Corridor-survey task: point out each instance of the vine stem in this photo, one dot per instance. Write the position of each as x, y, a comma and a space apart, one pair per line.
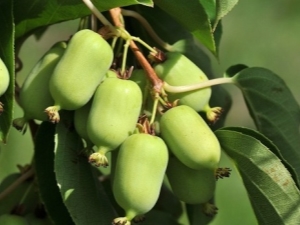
204, 84
154, 109
16, 183
148, 27
155, 81
99, 15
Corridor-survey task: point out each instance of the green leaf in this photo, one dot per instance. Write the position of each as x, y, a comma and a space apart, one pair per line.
44, 167
210, 8
272, 192
217, 9
269, 144
30, 15
193, 17
7, 56
222, 9
80, 188
233, 70
274, 110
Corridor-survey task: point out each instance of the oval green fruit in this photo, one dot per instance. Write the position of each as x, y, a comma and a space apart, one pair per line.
79, 72
139, 77
190, 138
9, 219
34, 94
178, 70
81, 116
4, 77
189, 185
113, 117
139, 173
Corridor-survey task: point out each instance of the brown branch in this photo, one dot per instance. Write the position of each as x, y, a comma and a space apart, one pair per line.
156, 82
16, 183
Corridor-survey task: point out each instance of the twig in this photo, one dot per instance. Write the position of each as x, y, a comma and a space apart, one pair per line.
16, 183
155, 81
191, 87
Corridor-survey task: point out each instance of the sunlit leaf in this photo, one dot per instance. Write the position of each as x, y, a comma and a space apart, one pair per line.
273, 193
274, 110
193, 17
80, 188
30, 15
44, 167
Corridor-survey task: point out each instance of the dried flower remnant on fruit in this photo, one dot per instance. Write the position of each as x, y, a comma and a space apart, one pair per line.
222, 172
98, 159
213, 114
209, 209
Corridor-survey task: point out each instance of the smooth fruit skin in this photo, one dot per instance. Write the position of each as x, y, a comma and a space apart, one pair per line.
189, 138
140, 168
81, 116
189, 185
139, 77
4, 77
113, 117
34, 94
9, 219
80, 70
178, 70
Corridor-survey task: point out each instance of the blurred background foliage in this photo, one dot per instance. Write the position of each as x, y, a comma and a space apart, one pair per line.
255, 33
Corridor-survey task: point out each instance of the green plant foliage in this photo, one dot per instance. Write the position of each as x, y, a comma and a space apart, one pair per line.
272, 191
193, 17
65, 187
31, 15
44, 166
80, 188
7, 56
273, 109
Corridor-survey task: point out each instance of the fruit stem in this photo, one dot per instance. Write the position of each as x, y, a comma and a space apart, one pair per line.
100, 16
148, 28
154, 109
204, 84
155, 81
137, 39
123, 67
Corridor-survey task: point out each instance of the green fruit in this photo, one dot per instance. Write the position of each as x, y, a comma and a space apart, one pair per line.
189, 185
190, 138
80, 123
113, 117
4, 78
9, 219
79, 72
35, 95
139, 77
111, 73
139, 173
178, 70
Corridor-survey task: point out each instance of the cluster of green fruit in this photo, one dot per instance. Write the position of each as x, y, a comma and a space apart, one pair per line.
110, 115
